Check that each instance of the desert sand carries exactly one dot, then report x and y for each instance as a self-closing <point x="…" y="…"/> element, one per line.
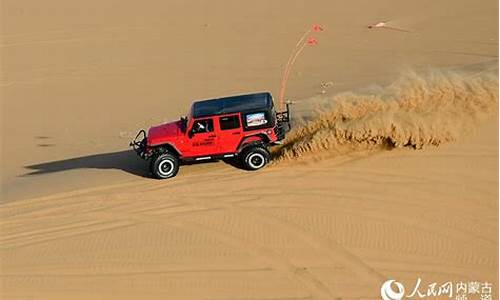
<point x="391" y="171"/>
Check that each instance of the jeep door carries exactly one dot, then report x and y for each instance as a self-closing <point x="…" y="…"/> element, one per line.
<point x="229" y="133"/>
<point x="202" y="138"/>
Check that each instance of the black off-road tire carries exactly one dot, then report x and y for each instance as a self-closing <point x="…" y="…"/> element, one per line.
<point x="164" y="166"/>
<point x="255" y="158"/>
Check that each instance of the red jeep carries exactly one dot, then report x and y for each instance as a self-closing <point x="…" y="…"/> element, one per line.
<point x="238" y="127"/>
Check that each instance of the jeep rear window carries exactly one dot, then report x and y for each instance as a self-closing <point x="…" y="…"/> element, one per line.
<point x="256" y="119"/>
<point x="229" y="122"/>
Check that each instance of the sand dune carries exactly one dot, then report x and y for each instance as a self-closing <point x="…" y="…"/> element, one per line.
<point x="79" y="79"/>
<point x="388" y="174"/>
<point x="322" y="231"/>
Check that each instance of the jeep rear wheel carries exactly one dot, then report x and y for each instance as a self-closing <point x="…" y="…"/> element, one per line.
<point x="255" y="158"/>
<point x="165" y="166"/>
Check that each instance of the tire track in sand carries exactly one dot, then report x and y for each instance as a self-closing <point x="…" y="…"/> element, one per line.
<point x="109" y="218"/>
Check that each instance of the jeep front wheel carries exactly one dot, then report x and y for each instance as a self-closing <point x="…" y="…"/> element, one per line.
<point x="165" y="166"/>
<point x="255" y="158"/>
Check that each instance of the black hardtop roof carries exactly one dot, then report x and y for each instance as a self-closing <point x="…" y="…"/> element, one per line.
<point x="232" y="104"/>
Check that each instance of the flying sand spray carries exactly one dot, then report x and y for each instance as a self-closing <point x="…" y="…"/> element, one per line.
<point x="417" y="110"/>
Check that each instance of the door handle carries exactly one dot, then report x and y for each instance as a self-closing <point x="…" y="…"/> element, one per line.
<point x="212" y="136"/>
<point x="235" y="133"/>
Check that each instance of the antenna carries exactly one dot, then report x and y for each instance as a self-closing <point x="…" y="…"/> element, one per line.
<point x="305" y="40"/>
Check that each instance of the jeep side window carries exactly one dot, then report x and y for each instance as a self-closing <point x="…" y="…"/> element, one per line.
<point x="200" y="126"/>
<point x="256" y="120"/>
<point x="229" y="122"/>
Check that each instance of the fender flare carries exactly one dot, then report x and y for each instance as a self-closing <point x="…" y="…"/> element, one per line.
<point x="167" y="147"/>
<point x="259" y="139"/>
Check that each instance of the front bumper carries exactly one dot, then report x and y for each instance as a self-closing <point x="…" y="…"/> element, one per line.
<point x="140" y="143"/>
